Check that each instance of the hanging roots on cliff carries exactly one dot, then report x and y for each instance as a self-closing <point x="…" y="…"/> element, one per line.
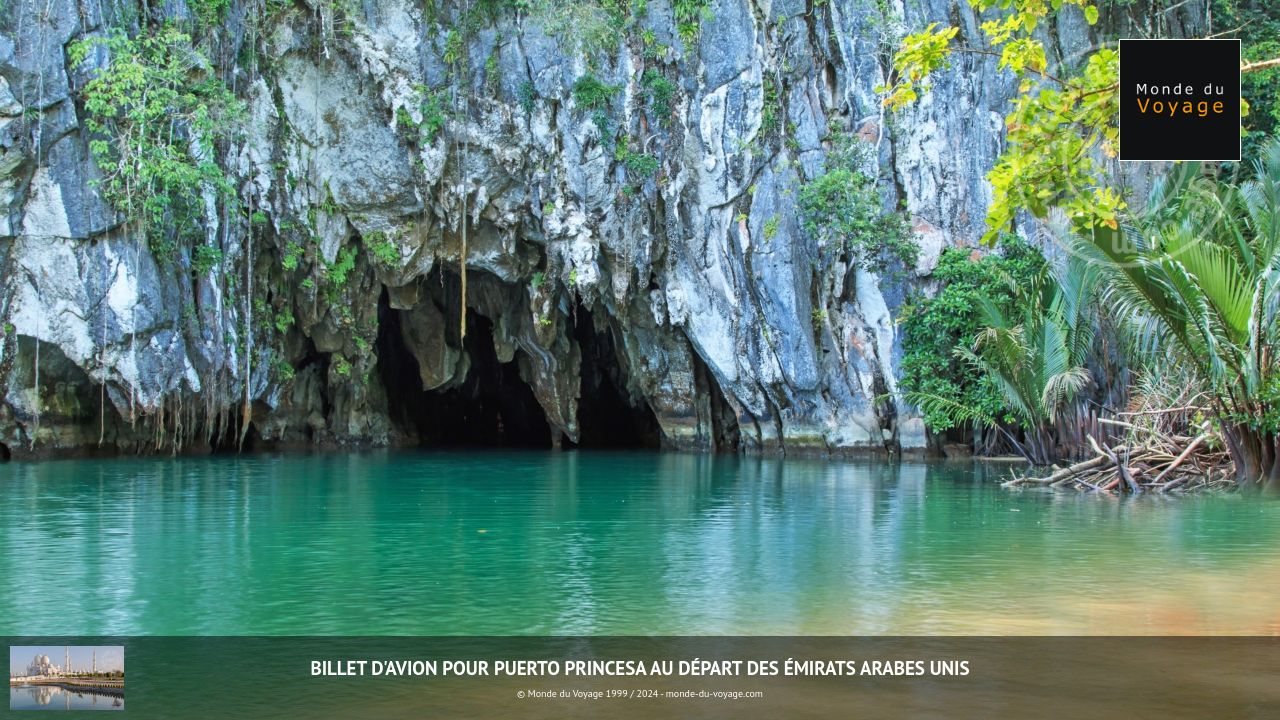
<point x="1164" y="448"/>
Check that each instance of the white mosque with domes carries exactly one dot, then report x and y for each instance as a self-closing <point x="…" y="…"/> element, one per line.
<point x="42" y="666"/>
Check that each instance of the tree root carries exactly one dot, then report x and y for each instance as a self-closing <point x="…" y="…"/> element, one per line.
<point x="1159" y="464"/>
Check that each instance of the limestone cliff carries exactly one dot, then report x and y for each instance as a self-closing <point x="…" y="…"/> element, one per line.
<point x="391" y="151"/>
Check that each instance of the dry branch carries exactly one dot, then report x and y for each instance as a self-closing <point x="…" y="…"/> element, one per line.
<point x="1158" y="461"/>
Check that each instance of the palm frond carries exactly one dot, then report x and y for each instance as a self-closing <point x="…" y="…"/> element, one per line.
<point x="958" y="412"/>
<point x="1062" y="388"/>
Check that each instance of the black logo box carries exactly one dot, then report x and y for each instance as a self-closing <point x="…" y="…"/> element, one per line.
<point x="1191" y="65"/>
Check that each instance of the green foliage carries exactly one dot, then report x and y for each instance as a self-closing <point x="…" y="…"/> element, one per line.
<point x="527" y="94"/>
<point x="638" y="165"/>
<point x="1032" y="350"/>
<point x="771" y="228"/>
<point x="154" y="114"/>
<point x="920" y="55"/>
<point x="453" y="47"/>
<point x="432" y="113"/>
<point x="1055" y="122"/>
<point x="205" y="258"/>
<point x="842" y="209"/>
<point x="932" y="328"/>
<point x="1257" y="24"/>
<point x="340" y="269"/>
<point x="277" y="7"/>
<point x="659" y="92"/>
<point x="338" y="16"/>
<point x="601" y="120"/>
<point x="342" y="366"/>
<point x="643" y="165"/>
<point x="492" y="78"/>
<point x="589" y="93"/>
<point x="1196" y="281"/>
<point x="770" y="112"/>
<point x="587" y="26"/>
<point x="383" y="249"/>
<point x="292" y="254"/>
<point x="818" y="317"/>
<point x="284" y="320"/>
<point x="537" y="280"/>
<point x="209" y="12"/>
<point x="689" y="15"/>
<point x="285" y="371"/>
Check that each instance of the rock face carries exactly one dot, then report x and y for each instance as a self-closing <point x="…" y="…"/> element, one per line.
<point x="394" y="174"/>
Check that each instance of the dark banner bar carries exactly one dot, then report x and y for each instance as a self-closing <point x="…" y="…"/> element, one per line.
<point x="634" y="677"/>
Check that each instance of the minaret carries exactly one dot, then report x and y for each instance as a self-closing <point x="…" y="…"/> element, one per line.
<point x="66" y="661"/>
<point x="95" y="661"/>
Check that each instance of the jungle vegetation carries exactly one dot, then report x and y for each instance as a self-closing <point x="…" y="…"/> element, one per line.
<point x="1189" y="280"/>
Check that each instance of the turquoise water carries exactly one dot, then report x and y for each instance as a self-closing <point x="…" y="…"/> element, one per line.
<point x="612" y="543"/>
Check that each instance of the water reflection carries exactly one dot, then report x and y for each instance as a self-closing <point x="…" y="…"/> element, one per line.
<point x="613" y="543"/>
<point x="54" y="697"/>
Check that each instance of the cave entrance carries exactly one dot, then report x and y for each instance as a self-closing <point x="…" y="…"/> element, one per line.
<point x="230" y="441"/>
<point x="491" y="407"/>
<point x="608" y="415"/>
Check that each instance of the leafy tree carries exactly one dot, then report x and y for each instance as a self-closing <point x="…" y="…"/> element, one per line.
<point x="1056" y="124"/>
<point x="842" y="209"/>
<point x="1257" y="23"/>
<point x="1197" y="279"/>
<point x="209" y="12"/>
<point x="933" y="327"/>
<point x="1033" y="352"/>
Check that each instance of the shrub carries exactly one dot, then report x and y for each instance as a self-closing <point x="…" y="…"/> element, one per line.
<point x="591" y="94"/>
<point x="205" y="258"/>
<point x="932" y="328"/>
<point x="659" y="92"/>
<point x="842" y="208"/>
<point x="153" y="114"/>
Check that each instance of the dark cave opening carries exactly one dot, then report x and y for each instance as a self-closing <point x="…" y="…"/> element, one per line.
<point x="229" y="441"/>
<point x="491" y="407"/>
<point x="608" y="417"/>
<point x="4" y="453"/>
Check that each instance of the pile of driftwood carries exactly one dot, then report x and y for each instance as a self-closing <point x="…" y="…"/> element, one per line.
<point x="1151" y="457"/>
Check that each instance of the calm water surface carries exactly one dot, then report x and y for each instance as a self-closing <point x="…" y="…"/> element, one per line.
<point x="50" y="697"/>
<point x="612" y="543"/>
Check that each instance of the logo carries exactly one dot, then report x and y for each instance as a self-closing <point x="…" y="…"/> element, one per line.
<point x="1180" y="100"/>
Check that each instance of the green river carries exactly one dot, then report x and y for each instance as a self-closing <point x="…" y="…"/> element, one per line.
<point x="578" y="543"/>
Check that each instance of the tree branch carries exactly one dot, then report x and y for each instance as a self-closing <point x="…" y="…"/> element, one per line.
<point x="992" y="53"/>
<point x="1260" y="65"/>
